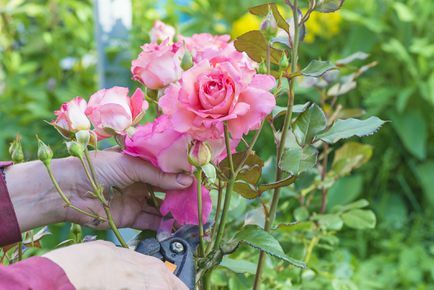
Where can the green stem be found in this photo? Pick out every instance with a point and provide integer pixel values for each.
(114, 227)
(228, 194)
(20, 251)
(66, 199)
(198, 175)
(92, 170)
(216, 218)
(98, 190)
(276, 195)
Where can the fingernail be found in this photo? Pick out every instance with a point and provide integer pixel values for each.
(184, 179)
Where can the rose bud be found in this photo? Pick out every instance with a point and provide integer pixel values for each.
(45, 154)
(71, 117)
(161, 31)
(199, 153)
(158, 65)
(75, 149)
(16, 150)
(187, 60)
(112, 112)
(83, 137)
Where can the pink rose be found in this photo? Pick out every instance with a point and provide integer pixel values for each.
(167, 149)
(158, 65)
(71, 117)
(161, 31)
(112, 111)
(213, 92)
(217, 48)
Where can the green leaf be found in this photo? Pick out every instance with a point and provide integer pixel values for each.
(327, 6)
(309, 124)
(246, 189)
(347, 128)
(331, 222)
(281, 183)
(263, 10)
(359, 219)
(238, 266)
(301, 213)
(255, 45)
(249, 175)
(296, 160)
(256, 237)
(412, 129)
(350, 156)
(424, 173)
(317, 68)
(251, 170)
(361, 203)
(297, 226)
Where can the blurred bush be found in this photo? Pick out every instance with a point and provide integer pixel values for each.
(47, 56)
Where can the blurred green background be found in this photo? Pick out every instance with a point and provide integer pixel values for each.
(48, 55)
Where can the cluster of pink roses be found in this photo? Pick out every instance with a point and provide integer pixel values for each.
(221, 86)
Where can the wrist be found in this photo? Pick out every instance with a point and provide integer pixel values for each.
(34, 198)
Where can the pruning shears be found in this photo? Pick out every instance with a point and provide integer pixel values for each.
(176, 252)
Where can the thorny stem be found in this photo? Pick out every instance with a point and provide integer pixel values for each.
(276, 195)
(92, 170)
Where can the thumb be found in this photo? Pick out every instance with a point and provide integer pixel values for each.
(147, 173)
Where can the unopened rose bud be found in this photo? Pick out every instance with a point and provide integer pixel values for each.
(83, 137)
(76, 230)
(75, 149)
(284, 62)
(262, 69)
(199, 153)
(16, 150)
(45, 154)
(187, 60)
(269, 25)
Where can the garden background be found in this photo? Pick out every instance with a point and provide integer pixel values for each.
(48, 54)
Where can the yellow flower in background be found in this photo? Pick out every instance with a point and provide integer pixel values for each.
(245, 23)
(325, 25)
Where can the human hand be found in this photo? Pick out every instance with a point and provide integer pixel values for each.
(37, 202)
(101, 265)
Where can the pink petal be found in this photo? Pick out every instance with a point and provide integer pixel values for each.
(138, 103)
(182, 204)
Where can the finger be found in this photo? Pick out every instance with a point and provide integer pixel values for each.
(146, 221)
(147, 173)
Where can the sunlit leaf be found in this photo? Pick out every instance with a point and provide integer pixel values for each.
(360, 219)
(360, 55)
(255, 45)
(347, 128)
(317, 68)
(350, 156)
(328, 5)
(331, 222)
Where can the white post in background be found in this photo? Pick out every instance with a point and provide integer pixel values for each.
(113, 20)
